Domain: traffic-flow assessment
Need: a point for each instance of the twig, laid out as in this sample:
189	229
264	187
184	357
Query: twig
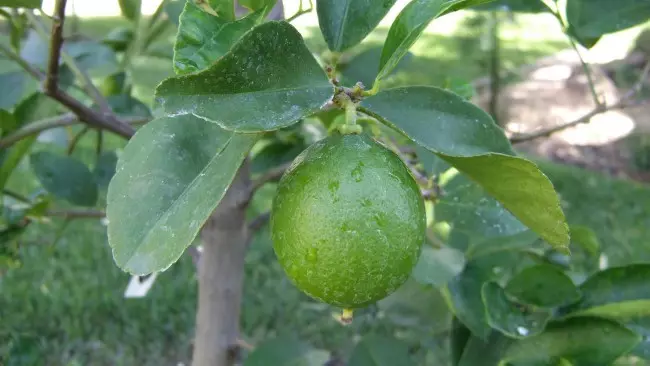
37	127
75	140
76	214
301	11
624	102
56	43
271	175
587	71
259	222
34	72
16	196
53	122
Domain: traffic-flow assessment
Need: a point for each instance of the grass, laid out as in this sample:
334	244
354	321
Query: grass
65	304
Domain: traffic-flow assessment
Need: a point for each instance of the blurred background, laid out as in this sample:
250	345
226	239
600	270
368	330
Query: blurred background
62	299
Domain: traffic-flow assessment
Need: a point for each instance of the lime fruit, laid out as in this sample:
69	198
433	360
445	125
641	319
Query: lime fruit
348	221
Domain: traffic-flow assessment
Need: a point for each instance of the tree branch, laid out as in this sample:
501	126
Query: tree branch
587	71
624	102
38	127
56	42
76	214
259	222
16	196
34	72
301	11
271	175
76	138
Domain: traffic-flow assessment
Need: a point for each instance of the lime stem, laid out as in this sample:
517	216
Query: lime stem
346	316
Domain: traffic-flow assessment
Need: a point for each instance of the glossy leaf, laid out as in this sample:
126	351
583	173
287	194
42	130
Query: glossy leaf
203	38
439	121
591	19
65	178
494	245
31	4
376	350
286	351
7	122
345	23
510	318
464	295
438	266
258	4
267	81
470	209
467	138
105	168
543	285
409	25
581	340
177	169
620	293
586	238
130	8
32	109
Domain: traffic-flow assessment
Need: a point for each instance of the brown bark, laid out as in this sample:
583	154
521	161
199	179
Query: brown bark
221	274
225	239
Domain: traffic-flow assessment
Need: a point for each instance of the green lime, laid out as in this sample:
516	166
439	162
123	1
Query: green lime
348	221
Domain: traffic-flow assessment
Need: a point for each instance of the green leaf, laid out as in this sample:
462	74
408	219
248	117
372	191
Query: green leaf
174	8
409	25
582	341
127	106
464	296
376	350
223	8
518	6
438	266
12	87
491	246
510	318
458	340
31	4
65	178
363	67
274	155
258	4
591	19
203	38
619	293
130	8
7	122
346	23
105	168
177	169
286	351
34	108
586	238
268	80
439	120
466	205
467	138
485	352
544	286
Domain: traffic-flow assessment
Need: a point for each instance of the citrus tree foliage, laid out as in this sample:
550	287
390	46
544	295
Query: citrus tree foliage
245	90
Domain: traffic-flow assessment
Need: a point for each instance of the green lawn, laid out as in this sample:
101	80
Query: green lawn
65	305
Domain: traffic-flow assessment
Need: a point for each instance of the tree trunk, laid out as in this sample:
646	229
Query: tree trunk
221	273
225	238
